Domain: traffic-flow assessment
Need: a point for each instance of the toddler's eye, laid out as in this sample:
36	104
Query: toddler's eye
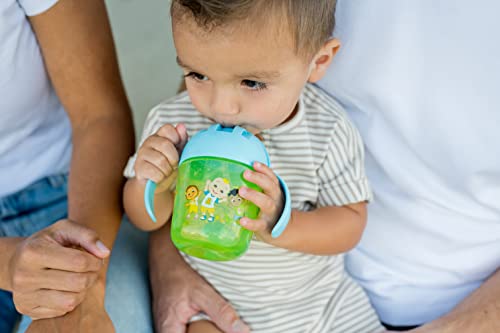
254	85
196	76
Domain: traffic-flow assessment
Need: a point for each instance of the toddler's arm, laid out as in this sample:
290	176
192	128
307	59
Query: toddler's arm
133	197
336	225
157	160
324	231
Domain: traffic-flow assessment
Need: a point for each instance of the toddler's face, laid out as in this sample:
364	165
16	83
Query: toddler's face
241	78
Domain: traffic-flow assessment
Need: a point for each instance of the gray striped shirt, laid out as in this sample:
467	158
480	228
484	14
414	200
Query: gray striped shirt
319	154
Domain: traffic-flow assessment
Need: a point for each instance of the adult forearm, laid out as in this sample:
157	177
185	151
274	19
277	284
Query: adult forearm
164	258
324	231
77	45
100	151
480	312
7	248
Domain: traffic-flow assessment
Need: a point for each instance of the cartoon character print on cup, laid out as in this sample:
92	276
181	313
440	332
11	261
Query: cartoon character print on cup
216	192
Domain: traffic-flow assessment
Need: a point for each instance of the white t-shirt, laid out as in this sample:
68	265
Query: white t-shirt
35	133
421	80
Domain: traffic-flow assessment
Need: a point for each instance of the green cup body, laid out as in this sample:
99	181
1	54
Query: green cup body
207	209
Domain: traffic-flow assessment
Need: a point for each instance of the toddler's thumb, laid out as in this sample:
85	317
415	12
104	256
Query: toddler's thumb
182	131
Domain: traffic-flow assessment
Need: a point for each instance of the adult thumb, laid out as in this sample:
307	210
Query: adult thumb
221	313
71	234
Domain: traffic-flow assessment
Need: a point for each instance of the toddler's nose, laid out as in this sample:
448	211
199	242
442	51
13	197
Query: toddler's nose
224	105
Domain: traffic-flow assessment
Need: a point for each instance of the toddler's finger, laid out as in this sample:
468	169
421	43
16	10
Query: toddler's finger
264	182
146	171
159	160
165	147
266	170
253	225
169	132
183	135
261	200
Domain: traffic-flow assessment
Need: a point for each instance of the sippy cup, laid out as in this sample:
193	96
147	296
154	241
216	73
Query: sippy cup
207	207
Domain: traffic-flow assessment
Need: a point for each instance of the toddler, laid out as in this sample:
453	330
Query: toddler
252	63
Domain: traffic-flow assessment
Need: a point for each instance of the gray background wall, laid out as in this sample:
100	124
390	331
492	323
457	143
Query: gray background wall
142	33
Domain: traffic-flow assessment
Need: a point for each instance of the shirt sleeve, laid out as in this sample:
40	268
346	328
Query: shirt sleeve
151	126
342	174
35	7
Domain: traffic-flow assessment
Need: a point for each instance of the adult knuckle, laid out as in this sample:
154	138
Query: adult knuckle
81	282
71	303
20	281
59	312
81	262
225	312
28	253
19	305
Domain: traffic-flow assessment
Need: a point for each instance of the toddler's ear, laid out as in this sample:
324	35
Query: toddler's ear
322	59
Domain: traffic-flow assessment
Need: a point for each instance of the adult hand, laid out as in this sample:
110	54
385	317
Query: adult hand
179	292
89	316
49	274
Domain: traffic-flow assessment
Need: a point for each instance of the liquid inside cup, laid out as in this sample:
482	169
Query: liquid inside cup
208	208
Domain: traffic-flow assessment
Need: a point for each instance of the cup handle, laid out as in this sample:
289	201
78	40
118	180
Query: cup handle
149	199
280	226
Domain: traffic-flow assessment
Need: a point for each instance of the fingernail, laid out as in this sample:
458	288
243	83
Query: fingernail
100	245
239	326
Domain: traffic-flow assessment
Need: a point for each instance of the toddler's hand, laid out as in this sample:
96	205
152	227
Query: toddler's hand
158	156
270	202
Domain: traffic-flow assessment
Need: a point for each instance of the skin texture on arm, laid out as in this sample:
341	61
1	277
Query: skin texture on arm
324	231
77	46
136	211
480	312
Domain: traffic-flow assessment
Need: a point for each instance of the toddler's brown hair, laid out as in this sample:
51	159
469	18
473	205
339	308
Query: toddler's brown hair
310	22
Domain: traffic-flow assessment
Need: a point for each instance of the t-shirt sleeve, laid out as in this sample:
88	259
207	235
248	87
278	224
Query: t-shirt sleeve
342	174
35	7
151	125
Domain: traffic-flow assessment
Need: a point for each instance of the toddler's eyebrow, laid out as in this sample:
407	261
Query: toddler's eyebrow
259	75
180	63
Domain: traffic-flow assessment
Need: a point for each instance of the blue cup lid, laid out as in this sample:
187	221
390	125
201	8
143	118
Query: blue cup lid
233	143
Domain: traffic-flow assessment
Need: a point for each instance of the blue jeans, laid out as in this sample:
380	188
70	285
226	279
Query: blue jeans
127	288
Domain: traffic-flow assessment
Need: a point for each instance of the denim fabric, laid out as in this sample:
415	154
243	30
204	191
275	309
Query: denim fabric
24	213
127	288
